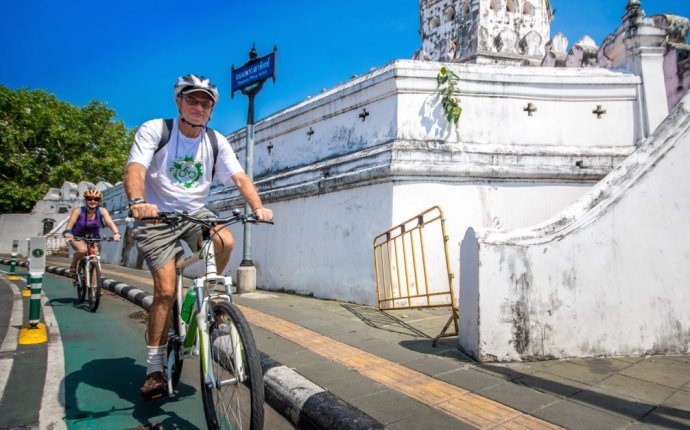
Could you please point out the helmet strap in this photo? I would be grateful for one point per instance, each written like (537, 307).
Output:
(190, 124)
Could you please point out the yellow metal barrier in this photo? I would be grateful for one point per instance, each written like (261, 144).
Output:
(409, 269)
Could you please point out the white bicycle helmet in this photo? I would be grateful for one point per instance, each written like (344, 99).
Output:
(192, 83)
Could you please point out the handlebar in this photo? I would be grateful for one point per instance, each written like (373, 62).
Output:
(236, 217)
(91, 239)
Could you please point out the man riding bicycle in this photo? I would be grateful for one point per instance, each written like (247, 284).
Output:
(87, 220)
(176, 175)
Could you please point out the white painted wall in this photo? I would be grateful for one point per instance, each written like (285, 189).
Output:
(607, 276)
(334, 190)
(321, 245)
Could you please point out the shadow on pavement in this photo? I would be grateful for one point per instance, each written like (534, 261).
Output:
(638, 410)
(381, 320)
(122, 377)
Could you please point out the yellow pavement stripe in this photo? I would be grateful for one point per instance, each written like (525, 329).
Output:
(454, 401)
(527, 422)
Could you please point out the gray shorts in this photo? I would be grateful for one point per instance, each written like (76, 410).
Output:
(160, 243)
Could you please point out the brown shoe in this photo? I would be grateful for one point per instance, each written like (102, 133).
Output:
(154, 387)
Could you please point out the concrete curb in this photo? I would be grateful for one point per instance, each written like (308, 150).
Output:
(304, 403)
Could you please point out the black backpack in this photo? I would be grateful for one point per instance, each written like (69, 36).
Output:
(165, 138)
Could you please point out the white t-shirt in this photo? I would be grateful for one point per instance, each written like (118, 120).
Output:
(178, 177)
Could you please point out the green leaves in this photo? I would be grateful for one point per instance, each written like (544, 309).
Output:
(447, 87)
(44, 142)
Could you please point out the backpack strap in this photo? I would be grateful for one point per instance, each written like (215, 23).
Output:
(165, 138)
(165, 135)
(214, 144)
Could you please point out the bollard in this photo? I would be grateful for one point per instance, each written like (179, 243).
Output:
(35, 331)
(26, 292)
(13, 262)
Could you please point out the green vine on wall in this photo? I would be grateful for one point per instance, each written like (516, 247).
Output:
(447, 86)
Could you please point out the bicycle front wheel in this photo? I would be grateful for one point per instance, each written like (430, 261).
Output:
(94, 289)
(174, 350)
(236, 401)
(81, 281)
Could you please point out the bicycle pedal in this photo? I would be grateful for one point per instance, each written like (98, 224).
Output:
(155, 394)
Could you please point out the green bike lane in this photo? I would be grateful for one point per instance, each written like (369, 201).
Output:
(104, 356)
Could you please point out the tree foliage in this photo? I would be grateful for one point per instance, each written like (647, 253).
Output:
(45, 142)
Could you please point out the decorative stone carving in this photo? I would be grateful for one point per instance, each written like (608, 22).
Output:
(483, 38)
(447, 50)
(556, 51)
(485, 31)
(505, 42)
(676, 27)
(530, 44)
(583, 54)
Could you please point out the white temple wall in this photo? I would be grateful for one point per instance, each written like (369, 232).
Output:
(381, 151)
(606, 276)
(321, 245)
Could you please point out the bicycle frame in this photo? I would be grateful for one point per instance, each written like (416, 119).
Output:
(194, 339)
(91, 257)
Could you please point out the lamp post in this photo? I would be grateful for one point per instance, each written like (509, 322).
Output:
(249, 79)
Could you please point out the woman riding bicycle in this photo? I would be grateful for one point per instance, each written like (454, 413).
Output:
(87, 220)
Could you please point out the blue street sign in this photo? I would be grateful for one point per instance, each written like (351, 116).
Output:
(259, 70)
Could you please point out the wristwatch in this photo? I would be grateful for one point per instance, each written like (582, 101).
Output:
(136, 201)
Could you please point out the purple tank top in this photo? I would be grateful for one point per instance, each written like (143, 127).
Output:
(85, 226)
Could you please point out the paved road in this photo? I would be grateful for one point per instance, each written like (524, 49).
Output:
(104, 366)
(384, 364)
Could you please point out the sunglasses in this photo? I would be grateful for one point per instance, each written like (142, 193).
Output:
(92, 199)
(206, 104)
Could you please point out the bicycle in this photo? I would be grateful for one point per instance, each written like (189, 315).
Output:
(216, 330)
(89, 281)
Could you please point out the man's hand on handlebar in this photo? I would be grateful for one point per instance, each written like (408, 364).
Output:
(141, 210)
(264, 214)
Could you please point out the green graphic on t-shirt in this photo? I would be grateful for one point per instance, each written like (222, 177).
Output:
(187, 171)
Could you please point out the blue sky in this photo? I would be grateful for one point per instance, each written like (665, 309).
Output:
(128, 54)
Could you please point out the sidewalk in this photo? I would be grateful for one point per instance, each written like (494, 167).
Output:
(384, 364)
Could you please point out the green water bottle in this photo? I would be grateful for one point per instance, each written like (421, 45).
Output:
(188, 304)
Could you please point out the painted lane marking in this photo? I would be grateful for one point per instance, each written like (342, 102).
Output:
(52, 404)
(9, 344)
(454, 401)
(12, 336)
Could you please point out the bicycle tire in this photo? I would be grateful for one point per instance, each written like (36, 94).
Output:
(94, 290)
(174, 347)
(236, 405)
(81, 282)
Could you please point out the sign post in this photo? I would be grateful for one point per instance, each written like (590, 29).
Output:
(35, 331)
(249, 79)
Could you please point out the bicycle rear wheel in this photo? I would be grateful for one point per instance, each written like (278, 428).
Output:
(237, 400)
(81, 281)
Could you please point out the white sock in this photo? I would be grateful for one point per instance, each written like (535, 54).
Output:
(155, 359)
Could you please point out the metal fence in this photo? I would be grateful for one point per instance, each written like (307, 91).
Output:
(413, 267)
